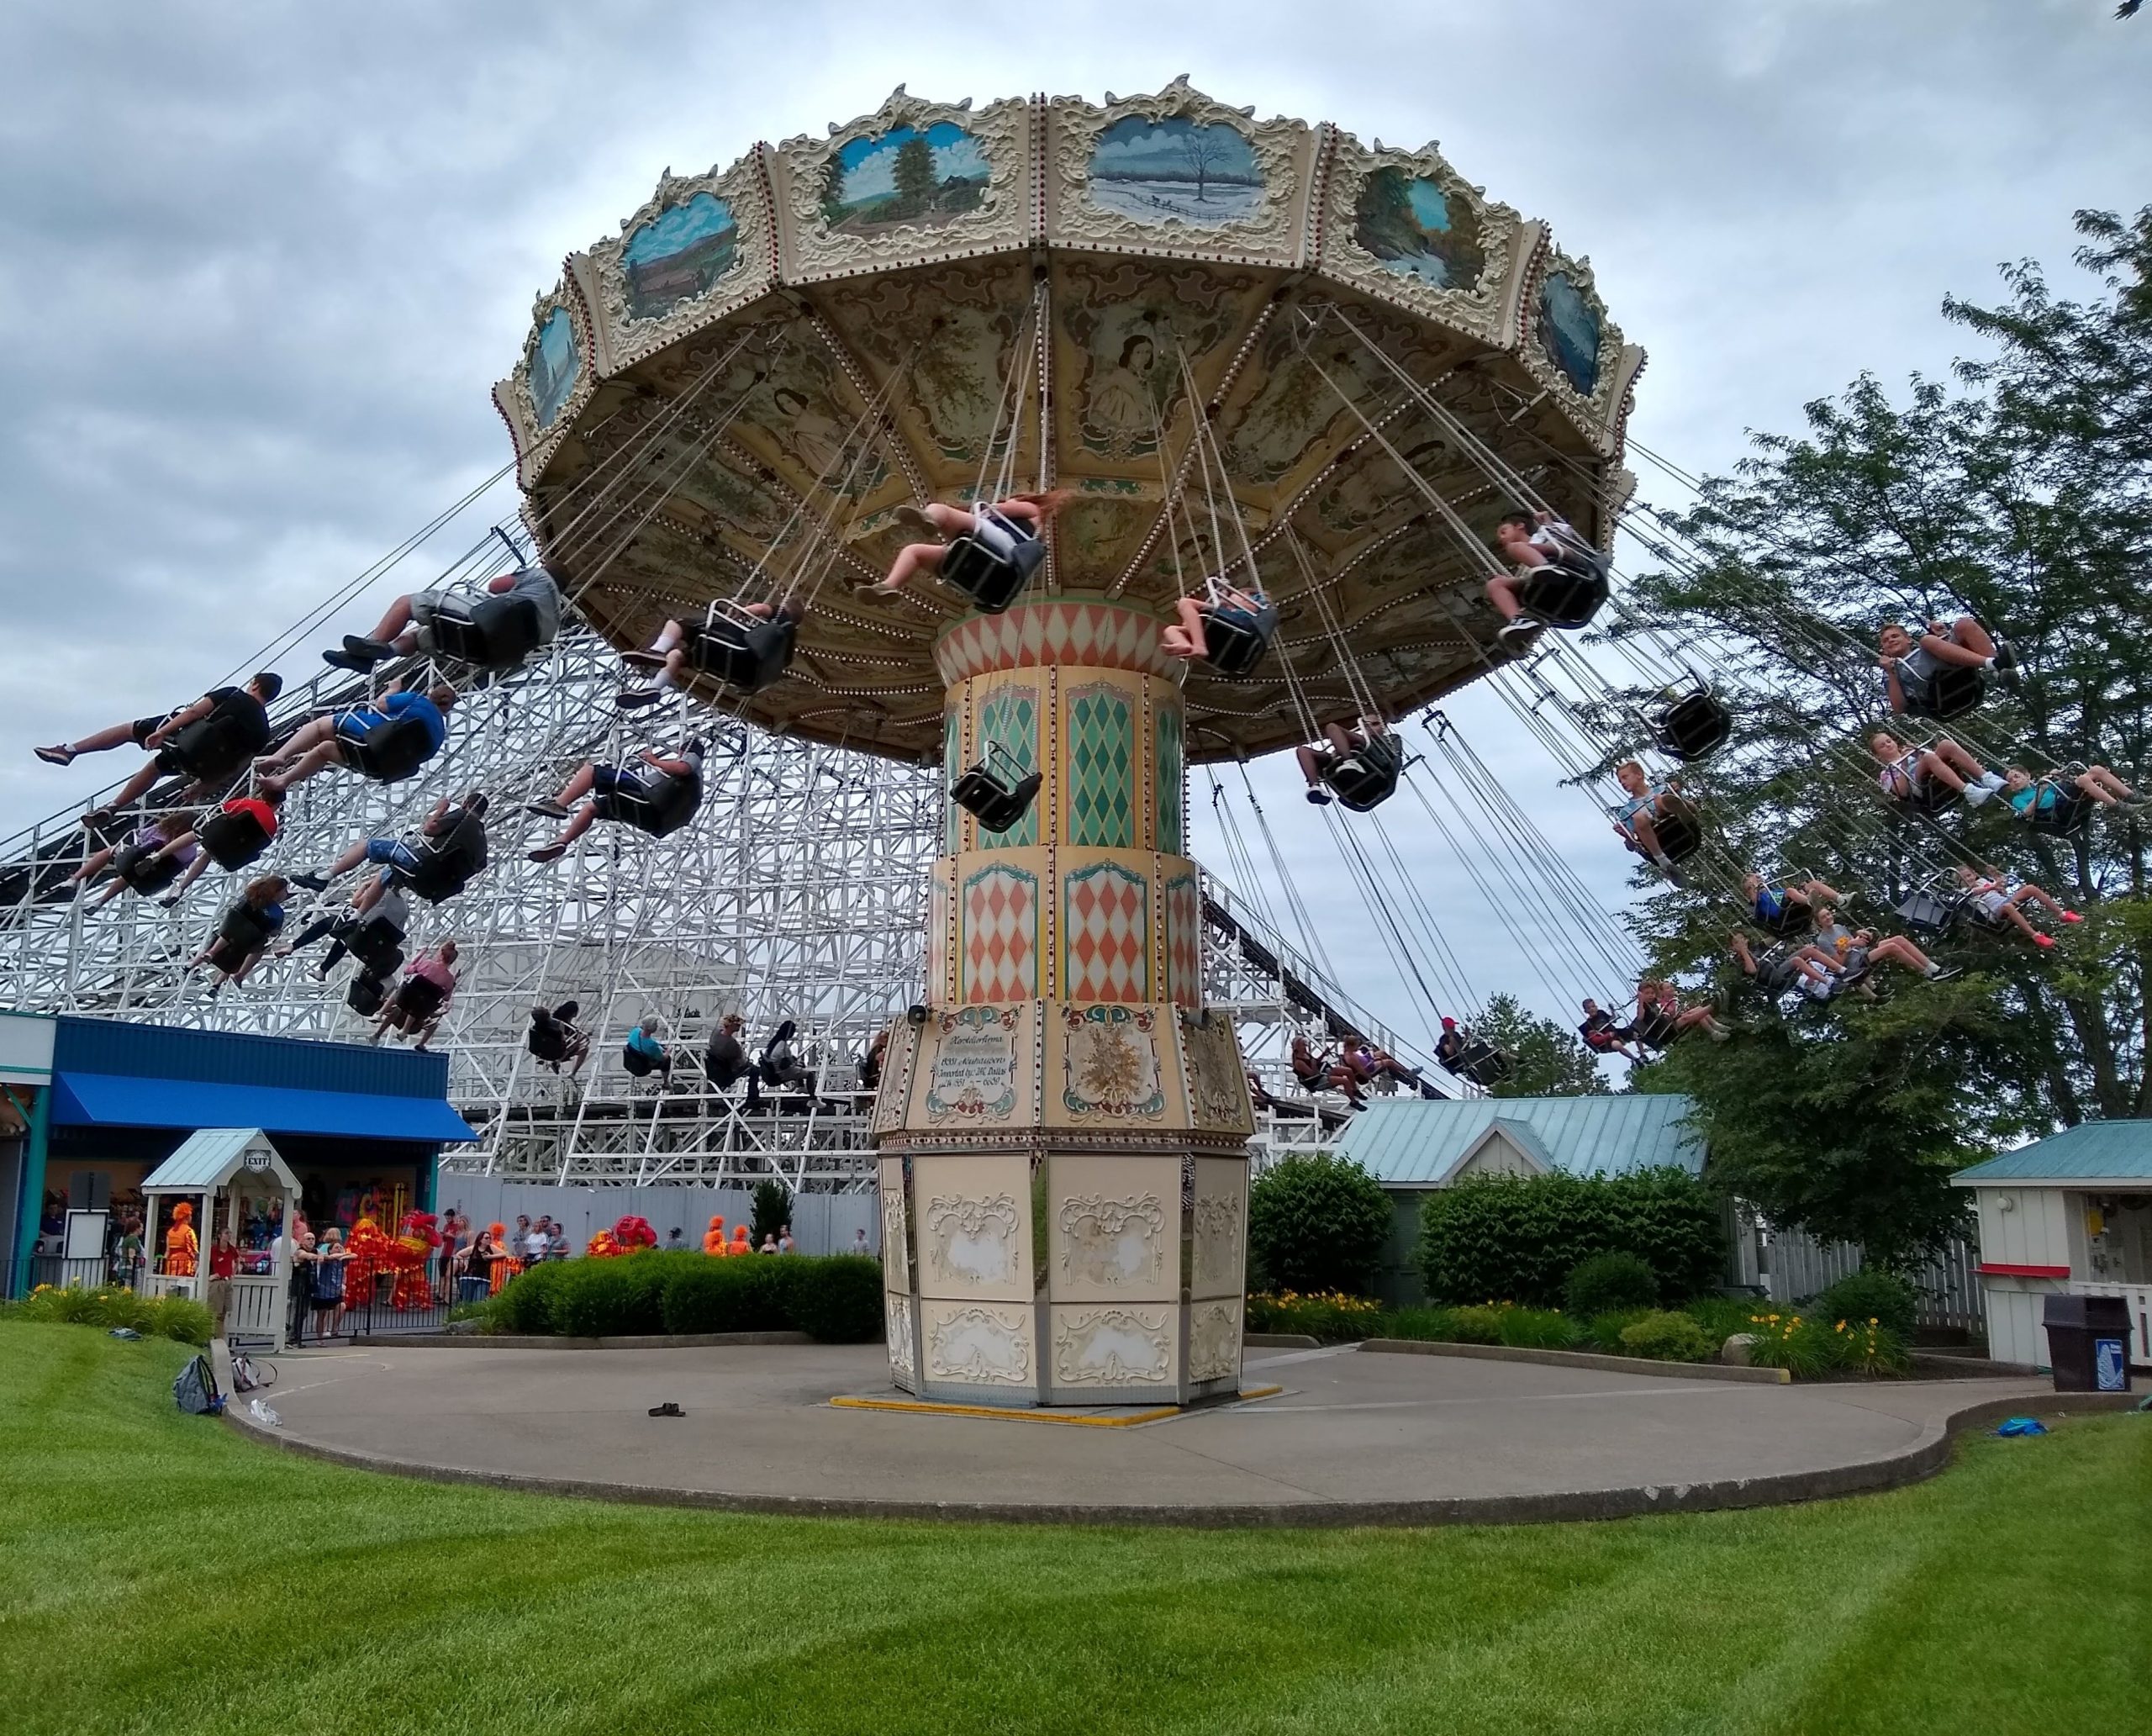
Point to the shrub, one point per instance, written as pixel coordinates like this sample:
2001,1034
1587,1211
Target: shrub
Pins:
727,1296
1790,1342
772,1209
837,1299
1880,1296
1666,1337
1535,1328
1316,1225
182,1318
1605,1329
1723,1317
524,1304
111,1304
1429,1325
1333,1318
1869,1347
1610,1281
1475,1326
1521,1235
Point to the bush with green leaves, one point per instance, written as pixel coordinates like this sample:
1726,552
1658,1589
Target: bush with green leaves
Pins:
772,1209
1781,1339
1667,1337
111,1305
1316,1225
1866,1295
1520,1236
1869,1347
1604,1333
1333,1318
836,1298
1608,1281
1723,1317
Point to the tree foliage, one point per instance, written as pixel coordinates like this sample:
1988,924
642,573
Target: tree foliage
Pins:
2018,490
1551,1058
1317,1224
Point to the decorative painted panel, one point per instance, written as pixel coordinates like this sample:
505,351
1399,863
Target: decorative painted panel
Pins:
897,1326
1407,226
1113,1347
1105,922
1218,1214
1009,717
1169,776
1000,939
976,1065
896,1231
977,1344
1099,758
971,1227
1183,941
1110,1062
941,917
1072,632
1217,1078
1116,1244
1214,1340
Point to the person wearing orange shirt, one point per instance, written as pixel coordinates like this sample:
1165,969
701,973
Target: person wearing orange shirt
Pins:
182,1248
740,1243
714,1237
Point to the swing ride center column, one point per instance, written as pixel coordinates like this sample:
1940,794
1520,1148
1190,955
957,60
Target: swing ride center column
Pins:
1062,1139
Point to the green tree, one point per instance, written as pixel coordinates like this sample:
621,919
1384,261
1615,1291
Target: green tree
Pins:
914,176
2019,490
772,1209
1317,1224
1551,1059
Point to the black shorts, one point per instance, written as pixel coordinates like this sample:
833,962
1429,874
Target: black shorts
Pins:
610,784
139,731
418,999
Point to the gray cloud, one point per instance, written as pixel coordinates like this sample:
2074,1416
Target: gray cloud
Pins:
261,263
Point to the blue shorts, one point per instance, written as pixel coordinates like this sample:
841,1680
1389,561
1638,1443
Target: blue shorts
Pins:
393,852
608,783
356,725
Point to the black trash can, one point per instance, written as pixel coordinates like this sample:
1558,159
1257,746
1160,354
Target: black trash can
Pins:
2088,1343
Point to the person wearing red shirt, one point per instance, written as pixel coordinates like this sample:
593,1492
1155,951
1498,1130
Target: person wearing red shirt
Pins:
264,812
224,1261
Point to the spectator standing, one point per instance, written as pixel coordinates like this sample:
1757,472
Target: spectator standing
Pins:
784,1238
518,1243
224,1261
859,1241
301,1284
330,1256
536,1242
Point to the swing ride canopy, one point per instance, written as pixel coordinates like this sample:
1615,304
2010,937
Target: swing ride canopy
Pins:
730,399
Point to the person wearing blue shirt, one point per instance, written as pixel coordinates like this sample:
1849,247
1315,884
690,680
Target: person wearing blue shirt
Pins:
644,1053
2032,798
322,743
1786,910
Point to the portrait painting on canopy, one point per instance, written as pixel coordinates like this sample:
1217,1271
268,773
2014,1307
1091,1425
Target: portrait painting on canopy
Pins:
920,178
1570,330
1175,170
680,254
554,362
1417,230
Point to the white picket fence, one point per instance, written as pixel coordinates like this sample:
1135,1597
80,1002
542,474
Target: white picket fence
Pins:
1796,1267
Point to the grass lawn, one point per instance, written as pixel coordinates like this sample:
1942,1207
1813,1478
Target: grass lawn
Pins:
158,1573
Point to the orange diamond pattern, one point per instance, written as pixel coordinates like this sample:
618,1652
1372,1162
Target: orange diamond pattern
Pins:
1105,914
1097,636
1184,955
1001,955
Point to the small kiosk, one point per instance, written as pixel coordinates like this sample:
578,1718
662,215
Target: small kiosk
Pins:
226,1177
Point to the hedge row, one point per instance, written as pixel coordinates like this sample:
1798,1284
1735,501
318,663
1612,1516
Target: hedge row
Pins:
837,1299
1518,1237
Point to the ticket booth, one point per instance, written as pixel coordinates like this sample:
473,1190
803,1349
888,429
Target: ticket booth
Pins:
226,1177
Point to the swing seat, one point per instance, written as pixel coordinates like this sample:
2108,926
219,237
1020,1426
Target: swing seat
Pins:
1951,691
441,875
392,751
1927,912
1693,725
992,581
215,748
489,632
1679,836
377,945
660,809
992,798
2065,816
366,996
1795,915
1368,778
742,651
243,931
1654,1030
1236,645
1563,594
232,840
1484,1064
143,870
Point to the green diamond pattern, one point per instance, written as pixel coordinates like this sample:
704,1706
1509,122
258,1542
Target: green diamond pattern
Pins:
952,766
1171,770
1011,720
1102,770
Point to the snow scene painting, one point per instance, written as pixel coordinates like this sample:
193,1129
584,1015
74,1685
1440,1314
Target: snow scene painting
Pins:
680,254
906,176
1568,328
1175,170
1409,224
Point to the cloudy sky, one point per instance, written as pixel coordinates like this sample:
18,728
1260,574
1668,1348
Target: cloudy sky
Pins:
261,264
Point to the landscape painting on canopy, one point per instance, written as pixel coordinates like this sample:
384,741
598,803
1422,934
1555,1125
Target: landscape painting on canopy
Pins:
554,366
1407,223
678,254
1175,170
903,177
1568,330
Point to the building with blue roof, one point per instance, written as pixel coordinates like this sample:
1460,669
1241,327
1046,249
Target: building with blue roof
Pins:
2068,1213
88,1107
1414,1145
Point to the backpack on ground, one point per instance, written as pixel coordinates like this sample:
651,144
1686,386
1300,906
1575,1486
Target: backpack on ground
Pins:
194,1390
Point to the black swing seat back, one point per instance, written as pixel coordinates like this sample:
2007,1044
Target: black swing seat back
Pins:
392,751
1794,917
243,931
217,746
143,870
1366,778
1484,1064
488,632
1234,647
441,875
367,995
377,945
232,840
992,796
1951,691
1567,592
668,803
1680,834
2065,816
745,652
992,581
1653,1028
1691,726
1928,912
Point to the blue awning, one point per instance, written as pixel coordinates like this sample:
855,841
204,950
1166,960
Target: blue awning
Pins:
106,1100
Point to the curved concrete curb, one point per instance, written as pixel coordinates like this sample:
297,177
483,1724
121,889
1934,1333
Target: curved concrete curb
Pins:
1282,1341
1581,1360
482,1341
1927,1456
